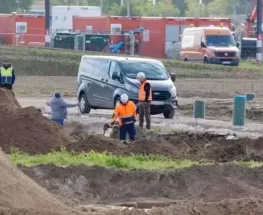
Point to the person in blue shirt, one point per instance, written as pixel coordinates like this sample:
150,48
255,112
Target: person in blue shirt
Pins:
59,108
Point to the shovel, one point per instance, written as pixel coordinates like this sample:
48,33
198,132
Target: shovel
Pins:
106,127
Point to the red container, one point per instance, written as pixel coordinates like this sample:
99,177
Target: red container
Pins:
99,24
35,34
155,47
7,28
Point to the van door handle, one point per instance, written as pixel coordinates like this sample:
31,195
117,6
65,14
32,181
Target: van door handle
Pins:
106,80
102,79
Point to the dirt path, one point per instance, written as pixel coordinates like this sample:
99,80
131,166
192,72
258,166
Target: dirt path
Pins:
94,121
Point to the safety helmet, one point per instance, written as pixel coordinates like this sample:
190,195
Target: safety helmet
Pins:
124,98
140,75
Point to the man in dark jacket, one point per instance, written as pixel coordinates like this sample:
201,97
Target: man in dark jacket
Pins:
59,108
7,75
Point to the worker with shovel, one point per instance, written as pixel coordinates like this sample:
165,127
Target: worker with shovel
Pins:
126,112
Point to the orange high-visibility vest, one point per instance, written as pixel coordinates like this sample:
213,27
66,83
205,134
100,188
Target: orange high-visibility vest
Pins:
142,93
126,113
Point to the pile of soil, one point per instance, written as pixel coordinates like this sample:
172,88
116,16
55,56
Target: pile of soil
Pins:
27,129
101,185
183,145
20,193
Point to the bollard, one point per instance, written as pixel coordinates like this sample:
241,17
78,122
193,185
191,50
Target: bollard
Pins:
239,111
250,96
199,109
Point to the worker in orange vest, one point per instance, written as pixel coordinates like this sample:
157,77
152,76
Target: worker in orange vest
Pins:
126,112
145,98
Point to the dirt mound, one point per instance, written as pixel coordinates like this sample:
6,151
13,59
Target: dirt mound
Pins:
101,185
8,100
100,143
17,191
27,129
178,146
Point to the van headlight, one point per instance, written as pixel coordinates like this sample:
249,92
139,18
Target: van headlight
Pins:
131,88
173,91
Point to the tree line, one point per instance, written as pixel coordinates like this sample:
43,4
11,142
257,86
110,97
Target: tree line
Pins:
146,8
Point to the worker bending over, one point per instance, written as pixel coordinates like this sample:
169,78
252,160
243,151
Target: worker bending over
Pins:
126,112
145,98
59,108
7,75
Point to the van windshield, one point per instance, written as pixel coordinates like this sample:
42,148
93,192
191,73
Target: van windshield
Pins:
152,70
220,40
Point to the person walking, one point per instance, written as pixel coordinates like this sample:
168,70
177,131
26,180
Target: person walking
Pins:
126,112
145,98
59,108
7,75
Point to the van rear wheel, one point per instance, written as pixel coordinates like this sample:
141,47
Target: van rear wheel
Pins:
169,114
84,104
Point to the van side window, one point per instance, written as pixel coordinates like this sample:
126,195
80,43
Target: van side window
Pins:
97,66
188,41
114,68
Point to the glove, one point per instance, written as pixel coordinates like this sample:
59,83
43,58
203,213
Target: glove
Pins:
112,123
134,121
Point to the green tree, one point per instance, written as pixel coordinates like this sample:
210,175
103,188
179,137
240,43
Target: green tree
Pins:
181,5
194,8
145,8
8,6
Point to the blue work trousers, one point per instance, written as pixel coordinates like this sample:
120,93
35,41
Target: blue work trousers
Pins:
59,121
128,128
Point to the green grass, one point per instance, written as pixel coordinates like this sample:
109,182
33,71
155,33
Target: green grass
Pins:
143,162
251,64
252,164
64,158
62,62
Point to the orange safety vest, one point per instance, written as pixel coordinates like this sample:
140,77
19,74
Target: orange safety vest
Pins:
142,93
126,113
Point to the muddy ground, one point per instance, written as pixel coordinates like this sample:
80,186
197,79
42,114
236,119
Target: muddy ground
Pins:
210,147
218,94
85,185
199,190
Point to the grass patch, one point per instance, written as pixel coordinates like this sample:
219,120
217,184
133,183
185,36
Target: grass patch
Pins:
64,158
251,164
62,62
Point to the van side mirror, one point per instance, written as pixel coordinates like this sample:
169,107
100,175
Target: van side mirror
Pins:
238,44
173,76
115,76
203,45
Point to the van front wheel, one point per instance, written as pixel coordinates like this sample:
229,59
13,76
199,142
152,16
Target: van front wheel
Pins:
169,114
84,104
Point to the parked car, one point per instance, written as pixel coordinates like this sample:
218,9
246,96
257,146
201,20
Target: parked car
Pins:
103,79
209,45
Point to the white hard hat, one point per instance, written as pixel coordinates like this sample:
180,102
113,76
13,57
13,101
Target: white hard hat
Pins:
141,75
124,98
